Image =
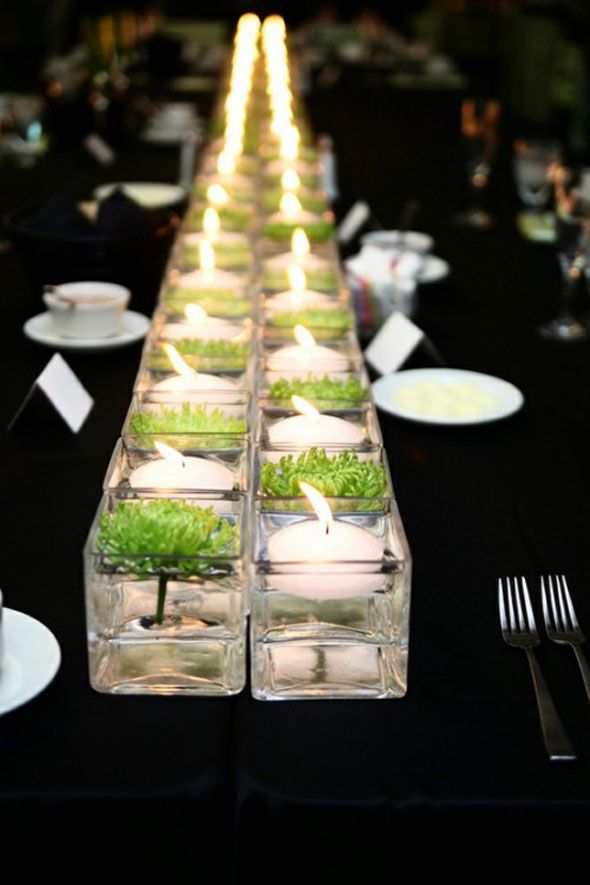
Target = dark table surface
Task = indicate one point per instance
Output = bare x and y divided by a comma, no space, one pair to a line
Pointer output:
448,779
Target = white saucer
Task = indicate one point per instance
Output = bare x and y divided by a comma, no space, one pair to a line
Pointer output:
42,329
509,398
412,240
31,659
433,269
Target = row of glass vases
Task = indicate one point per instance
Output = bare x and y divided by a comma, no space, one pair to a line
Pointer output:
161,621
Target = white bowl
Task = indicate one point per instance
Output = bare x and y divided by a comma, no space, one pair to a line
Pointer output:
93,309
147,194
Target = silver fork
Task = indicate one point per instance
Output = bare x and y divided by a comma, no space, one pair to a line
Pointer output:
520,630
561,622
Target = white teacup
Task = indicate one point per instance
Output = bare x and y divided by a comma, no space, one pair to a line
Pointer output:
1,632
87,310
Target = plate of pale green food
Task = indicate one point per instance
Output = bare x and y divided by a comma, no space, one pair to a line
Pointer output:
446,396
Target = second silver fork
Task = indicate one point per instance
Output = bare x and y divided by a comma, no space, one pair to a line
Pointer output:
520,630
561,622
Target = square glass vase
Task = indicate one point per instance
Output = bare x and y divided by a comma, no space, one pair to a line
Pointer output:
361,416
276,475
192,422
170,630
327,389
331,630
226,472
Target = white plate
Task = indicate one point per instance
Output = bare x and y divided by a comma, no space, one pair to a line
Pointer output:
31,659
433,269
149,194
510,398
43,330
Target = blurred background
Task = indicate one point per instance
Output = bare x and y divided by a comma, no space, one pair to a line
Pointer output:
533,54
433,106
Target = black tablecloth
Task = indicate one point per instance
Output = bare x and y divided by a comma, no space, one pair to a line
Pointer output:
448,780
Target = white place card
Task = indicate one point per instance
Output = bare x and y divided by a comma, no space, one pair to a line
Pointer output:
329,176
352,222
58,384
99,149
393,343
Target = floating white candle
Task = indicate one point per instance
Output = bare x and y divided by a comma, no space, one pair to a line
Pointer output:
329,546
176,471
208,276
217,196
199,325
292,212
178,387
290,181
226,164
302,167
298,297
217,238
299,255
313,428
307,355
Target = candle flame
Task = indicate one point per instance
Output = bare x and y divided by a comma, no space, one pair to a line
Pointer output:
178,364
195,313
299,243
304,407
289,150
226,165
290,143
297,278
290,181
290,204
233,144
211,223
303,337
248,20
319,504
217,195
206,256
169,453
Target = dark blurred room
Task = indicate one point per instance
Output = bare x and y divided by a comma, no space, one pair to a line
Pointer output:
291,302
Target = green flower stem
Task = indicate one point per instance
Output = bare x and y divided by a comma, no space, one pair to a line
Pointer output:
162,587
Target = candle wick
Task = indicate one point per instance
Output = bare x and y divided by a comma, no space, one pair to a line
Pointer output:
183,463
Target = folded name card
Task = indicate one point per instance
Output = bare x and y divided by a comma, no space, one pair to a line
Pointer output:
353,221
56,390
99,149
394,342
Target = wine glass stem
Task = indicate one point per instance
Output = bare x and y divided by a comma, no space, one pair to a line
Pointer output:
568,287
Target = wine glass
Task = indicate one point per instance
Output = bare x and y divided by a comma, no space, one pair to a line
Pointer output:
571,234
479,128
534,162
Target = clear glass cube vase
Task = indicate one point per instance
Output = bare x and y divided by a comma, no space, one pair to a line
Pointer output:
178,628
335,629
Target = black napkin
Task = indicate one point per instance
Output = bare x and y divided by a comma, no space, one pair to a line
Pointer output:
120,216
60,217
